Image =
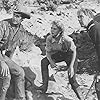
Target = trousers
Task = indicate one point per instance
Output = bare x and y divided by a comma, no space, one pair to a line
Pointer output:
57,57
19,75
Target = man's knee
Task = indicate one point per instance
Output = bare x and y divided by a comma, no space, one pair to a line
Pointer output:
6,82
97,87
21,73
44,62
4,85
8,77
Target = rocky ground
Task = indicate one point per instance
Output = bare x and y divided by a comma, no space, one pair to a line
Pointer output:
59,87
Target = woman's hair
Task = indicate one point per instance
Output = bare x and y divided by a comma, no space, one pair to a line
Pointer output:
87,12
59,25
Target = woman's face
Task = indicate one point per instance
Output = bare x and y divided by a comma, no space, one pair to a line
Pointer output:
54,30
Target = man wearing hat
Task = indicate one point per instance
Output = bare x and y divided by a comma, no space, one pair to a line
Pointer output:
11,35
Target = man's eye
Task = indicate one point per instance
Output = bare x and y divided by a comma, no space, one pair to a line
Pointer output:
17,16
78,16
54,28
81,16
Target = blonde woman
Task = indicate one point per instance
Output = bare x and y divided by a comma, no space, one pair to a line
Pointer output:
58,49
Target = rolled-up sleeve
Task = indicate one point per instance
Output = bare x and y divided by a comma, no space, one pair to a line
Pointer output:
48,44
1,36
1,30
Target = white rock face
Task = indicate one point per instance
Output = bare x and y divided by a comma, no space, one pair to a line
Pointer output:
4,15
40,24
30,59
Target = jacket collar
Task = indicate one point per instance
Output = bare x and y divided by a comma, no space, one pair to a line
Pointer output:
91,23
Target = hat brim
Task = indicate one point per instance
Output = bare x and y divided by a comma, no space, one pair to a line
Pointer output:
23,15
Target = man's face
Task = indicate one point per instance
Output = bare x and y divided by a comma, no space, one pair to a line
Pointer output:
16,18
54,30
83,20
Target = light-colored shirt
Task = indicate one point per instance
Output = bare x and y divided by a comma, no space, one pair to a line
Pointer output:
10,37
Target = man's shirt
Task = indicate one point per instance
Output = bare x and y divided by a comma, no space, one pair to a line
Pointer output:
10,36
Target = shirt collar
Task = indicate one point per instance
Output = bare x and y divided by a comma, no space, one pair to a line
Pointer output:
53,40
11,24
91,23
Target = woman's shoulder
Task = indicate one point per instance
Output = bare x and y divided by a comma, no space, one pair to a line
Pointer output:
49,37
67,38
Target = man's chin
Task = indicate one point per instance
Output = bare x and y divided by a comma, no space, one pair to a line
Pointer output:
15,23
53,35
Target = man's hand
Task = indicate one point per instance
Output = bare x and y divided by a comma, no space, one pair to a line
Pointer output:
5,70
71,71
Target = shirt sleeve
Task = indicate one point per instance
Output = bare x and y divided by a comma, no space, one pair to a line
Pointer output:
70,42
68,38
1,30
26,41
48,44
67,42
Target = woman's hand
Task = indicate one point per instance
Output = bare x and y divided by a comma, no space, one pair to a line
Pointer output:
53,65
5,69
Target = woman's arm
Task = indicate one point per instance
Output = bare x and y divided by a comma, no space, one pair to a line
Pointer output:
52,63
73,48
49,50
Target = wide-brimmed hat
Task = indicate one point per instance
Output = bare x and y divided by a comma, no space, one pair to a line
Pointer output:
23,14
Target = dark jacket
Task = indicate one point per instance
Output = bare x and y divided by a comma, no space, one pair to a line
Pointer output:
94,33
